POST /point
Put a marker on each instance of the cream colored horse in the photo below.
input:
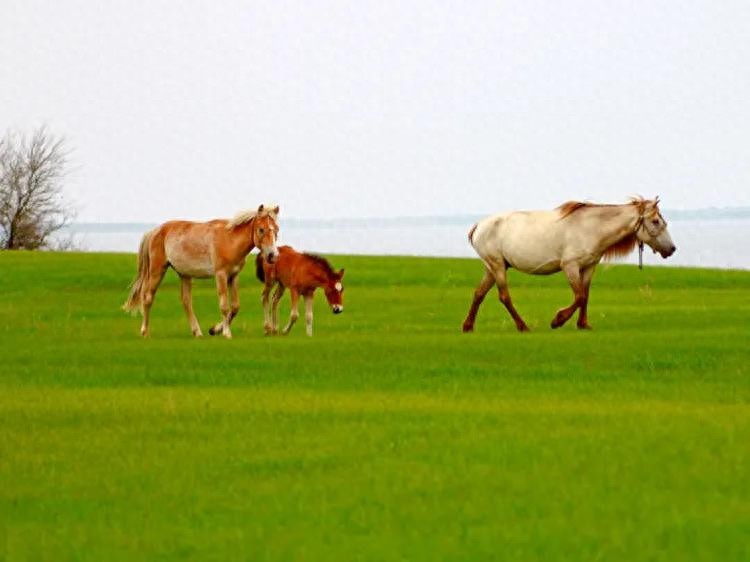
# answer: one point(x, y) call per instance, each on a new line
point(572, 238)
point(202, 249)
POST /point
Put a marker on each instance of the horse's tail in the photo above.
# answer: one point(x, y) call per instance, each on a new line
point(478, 249)
point(259, 272)
point(471, 233)
point(133, 304)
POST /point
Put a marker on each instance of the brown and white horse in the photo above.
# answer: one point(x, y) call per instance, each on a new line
point(202, 249)
point(572, 238)
point(301, 273)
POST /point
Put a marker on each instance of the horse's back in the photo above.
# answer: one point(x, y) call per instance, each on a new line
point(527, 240)
point(292, 269)
point(286, 259)
point(277, 271)
point(188, 245)
point(502, 228)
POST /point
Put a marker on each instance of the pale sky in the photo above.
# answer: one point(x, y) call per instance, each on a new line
point(381, 108)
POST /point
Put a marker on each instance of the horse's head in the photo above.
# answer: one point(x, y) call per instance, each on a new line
point(652, 229)
point(334, 291)
point(265, 230)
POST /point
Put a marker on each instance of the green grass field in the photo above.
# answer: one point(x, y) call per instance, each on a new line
point(389, 435)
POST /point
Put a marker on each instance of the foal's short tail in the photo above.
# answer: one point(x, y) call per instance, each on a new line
point(133, 304)
point(259, 272)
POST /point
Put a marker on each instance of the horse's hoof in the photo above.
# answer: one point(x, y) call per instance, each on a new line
point(467, 328)
point(584, 327)
point(213, 331)
point(523, 328)
point(557, 321)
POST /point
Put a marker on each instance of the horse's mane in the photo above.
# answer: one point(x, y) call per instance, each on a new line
point(322, 262)
point(241, 218)
point(244, 217)
point(570, 207)
point(622, 247)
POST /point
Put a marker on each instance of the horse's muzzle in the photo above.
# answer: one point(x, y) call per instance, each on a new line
point(337, 309)
point(665, 254)
point(271, 257)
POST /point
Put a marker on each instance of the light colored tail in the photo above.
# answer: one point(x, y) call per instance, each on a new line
point(480, 253)
point(471, 233)
point(133, 304)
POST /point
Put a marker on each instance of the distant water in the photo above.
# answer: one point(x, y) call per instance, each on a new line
point(721, 243)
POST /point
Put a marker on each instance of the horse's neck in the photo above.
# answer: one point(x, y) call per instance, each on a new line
point(617, 225)
point(317, 275)
point(243, 242)
point(314, 273)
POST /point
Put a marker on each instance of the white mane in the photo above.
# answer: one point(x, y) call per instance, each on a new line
point(246, 216)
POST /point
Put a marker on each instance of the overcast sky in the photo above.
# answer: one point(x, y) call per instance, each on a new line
point(383, 108)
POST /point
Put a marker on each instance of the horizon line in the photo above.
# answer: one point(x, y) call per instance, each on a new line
point(675, 214)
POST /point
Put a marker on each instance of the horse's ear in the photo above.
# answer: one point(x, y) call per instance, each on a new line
point(656, 200)
point(276, 210)
point(260, 210)
point(340, 274)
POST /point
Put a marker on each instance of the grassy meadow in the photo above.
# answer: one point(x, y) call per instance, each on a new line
point(388, 435)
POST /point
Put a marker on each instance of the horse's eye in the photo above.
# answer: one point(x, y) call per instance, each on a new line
point(656, 222)
point(260, 231)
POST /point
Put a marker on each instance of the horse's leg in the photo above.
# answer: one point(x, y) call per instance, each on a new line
point(502, 288)
point(309, 313)
point(294, 314)
point(221, 289)
point(586, 275)
point(186, 293)
point(234, 282)
point(267, 326)
point(157, 269)
point(573, 272)
point(484, 286)
point(277, 294)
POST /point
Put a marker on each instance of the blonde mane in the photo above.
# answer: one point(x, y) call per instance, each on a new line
point(244, 217)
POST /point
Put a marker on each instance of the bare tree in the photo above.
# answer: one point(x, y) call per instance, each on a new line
point(32, 203)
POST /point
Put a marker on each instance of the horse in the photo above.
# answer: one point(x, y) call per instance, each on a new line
point(301, 273)
point(572, 238)
point(202, 249)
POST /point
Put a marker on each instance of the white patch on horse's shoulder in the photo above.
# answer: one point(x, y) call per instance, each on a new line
point(338, 286)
